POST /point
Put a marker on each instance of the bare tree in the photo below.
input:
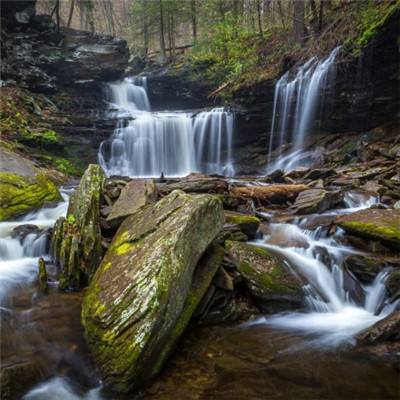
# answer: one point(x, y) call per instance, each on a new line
point(298, 21)
point(71, 12)
point(162, 38)
point(194, 19)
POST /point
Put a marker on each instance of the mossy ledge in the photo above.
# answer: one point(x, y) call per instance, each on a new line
point(19, 195)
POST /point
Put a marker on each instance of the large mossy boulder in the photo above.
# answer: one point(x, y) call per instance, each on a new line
point(266, 277)
point(374, 224)
point(19, 195)
point(141, 297)
point(76, 240)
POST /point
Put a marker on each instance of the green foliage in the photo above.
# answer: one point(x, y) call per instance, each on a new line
point(229, 51)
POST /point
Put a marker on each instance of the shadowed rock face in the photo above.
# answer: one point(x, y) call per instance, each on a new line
point(134, 310)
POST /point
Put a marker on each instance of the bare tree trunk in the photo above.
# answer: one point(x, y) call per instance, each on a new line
point(281, 14)
point(71, 12)
point(194, 20)
point(260, 29)
point(145, 29)
point(321, 15)
point(314, 17)
point(162, 38)
point(298, 21)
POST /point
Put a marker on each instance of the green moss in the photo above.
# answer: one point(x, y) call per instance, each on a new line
point(388, 233)
point(19, 195)
point(123, 248)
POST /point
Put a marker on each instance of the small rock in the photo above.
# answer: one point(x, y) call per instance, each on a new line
point(42, 276)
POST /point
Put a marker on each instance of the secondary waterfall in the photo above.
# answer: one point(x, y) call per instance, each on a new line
point(298, 101)
point(147, 143)
point(338, 305)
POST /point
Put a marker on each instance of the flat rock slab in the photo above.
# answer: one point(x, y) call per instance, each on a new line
point(316, 201)
point(374, 224)
point(136, 194)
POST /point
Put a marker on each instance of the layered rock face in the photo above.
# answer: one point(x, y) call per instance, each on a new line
point(133, 310)
point(76, 241)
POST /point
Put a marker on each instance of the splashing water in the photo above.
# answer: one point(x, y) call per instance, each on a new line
point(173, 143)
point(339, 306)
point(296, 104)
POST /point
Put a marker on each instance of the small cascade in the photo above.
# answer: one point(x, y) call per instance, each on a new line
point(19, 257)
point(147, 143)
point(298, 101)
point(338, 305)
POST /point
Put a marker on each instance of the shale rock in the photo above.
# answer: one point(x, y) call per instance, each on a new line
point(316, 201)
point(136, 194)
point(140, 298)
point(19, 195)
point(364, 267)
point(374, 224)
point(266, 277)
point(197, 184)
point(386, 329)
point(76, 240)
point(248, 224)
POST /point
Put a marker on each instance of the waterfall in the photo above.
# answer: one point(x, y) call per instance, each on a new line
point(297, 102)
point(146, 143)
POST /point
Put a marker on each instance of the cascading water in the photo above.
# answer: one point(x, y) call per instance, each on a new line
point(148, 143)
point(339, 306)
point(297, 101)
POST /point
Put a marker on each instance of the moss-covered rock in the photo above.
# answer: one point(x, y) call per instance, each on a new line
point(140, 298)
point(76, 240)
point(19, 195)
point(248, 224)
point(266, 277)
point(374, 224)
point(42, 275)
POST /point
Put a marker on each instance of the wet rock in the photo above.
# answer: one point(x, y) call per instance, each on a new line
point(231, 233)
point(248, 224)
point(42, 276)
point(364, 267)
point(379, 225)
point(196, 184)
point(386, 329)
point(136, 194)
point(22, 231)
point(316, 201)
point(393, 285)
point(276, 193)
point(135, 308)
point(19, 195)
point(319, 173)
point(76, 240)
point(267, 279)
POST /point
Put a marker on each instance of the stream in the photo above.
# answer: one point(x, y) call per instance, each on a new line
point(285, 356)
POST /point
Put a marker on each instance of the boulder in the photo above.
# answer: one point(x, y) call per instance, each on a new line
point(374, 224)
point(267, 279)
point(275, 193)
point(137, 303)
point(76, 240)
point(19, 195)
point(136, 194)
point(246, 223)
point(385, 329)
point(316, 201)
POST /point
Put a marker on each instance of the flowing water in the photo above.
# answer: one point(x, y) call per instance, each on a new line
point(298, 101)
point(147, 143)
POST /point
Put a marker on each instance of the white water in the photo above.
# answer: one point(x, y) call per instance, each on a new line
point(147, 143)
point(297, 101)
point(19, 258)
point(339, 307)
